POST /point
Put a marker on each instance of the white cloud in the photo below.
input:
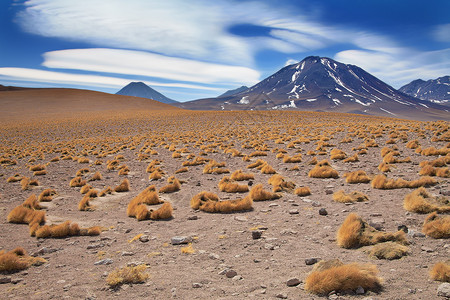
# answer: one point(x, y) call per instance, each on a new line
point(442, 33)
point(290, 62)
point(149, 65)
point(34, 75)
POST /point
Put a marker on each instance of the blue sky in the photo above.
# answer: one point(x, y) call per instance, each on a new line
point(201, 48)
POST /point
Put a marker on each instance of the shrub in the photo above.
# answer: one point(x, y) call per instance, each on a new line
point(26, 183)
point(385, 167)
point(323, 169)
point(343, 278)
point(123, 170)
point(388, 250)
point(156, 175)
point(77, 182)
point(162, 213)
point(280, 184)
point(83, 160)
point(238, 175)
point(124, 186)
point(97, 176)
point(32, 202)
point(132, 274)
point(420, 201)
point(440, 272)
point(24, 215)
point(82, 172)
point(173, 186)
point(18, 260)
point(182, 170)
point(209, 202)
point(37, 168)
point(230, 186)
point(214, 167)
point(257, 193)
point(337, 154)
point(14, 178)
point(258, 153)
point(353, 158)
point(359, 176)
point(257, 163)
point(292, 159)
point(267, 169)
point(302, 191)
point(85, 188)
point(380, 181)
point(342, 197)
point(436, 226)
point(84, 204)
point(107, 190)
point(412, 144)
point(47, 195)
point(355, 232)
point(202, 197)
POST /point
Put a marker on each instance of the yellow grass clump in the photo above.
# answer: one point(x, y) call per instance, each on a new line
point(202, 197)
point(238, 175)
point(107, 191)
point(292, 159)
point(32, 202)
point(355, 196)
point(214, 167)
point(27, 183)
point(437, 226)
point(124, 186)
point(97, 176)
point(323, 169)
point(85, 188)
point(353, 158)
point(280, 184)
point(47, 195)
point(413, 144)
point(388, 250)
point(209, 202)
point(182, 170)
point(380, 181)
point(132, 274)
point(355, 232)
point(258, 193)
point(173, 186)
point(337, 154)
point(257, 163)
point(228, 185)
point(385, 167)
point(359, 176)
point(82, 171)
point(422, 202)
point(341, 277)
point(440, 272)
point(432, 171)
point(15, 178)
point(302, 191)
point(18, 260)
point(162, 213)
point(156, 175)
point(37, 168)
point(23, 215)
point(77, 182)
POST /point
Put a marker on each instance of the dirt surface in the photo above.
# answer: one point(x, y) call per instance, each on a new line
point(292, 228)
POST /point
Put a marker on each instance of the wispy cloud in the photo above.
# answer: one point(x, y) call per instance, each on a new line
point(442, 33)
point(150, 65)
point(34, 75)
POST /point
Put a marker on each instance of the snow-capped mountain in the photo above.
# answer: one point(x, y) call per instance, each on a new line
point(323, 84)
point(434, 90)
point(140, 89)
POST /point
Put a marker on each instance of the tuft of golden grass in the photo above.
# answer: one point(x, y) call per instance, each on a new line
point(355, 196)
point(440, 272)
point(188, 249)
point(228, 185)
point(173, 186)
point(202, 197)
point(337, 154)
point(15, 178)
point(258, 193)
point(343, 277)
point(388, 250)
point(209, 202)
point(355, 232)
point(47, 195)
point(163, 213)
point(380, 181)
point(132, 274)
point(124, 186)
point(422, 202)
point(323, 169)
point(77, 182)
point(359, 176)
point(23, 215)
point(182, 170)
point(238, 175)
point(437, 226)
point(18, 260)
point(302, 191)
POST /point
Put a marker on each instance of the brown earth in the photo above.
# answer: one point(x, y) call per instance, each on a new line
point(292, 229)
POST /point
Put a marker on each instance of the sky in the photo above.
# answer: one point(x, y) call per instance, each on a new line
point(200, 48)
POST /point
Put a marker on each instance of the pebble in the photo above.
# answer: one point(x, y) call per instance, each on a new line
point(43, 251)
point(328, 192)
point(293, 212)
point(230, 273)
point(269, 246)
point(316, 204)
point(282, 295)
point(214, 256)
point(223, 272)
point(240, 219)
point(311, 261)
point(377, 223)
point(360, 290)
point(193, 218)
point(237, 278)
point(274, 204)
point(197, 285)
point(323, 212)
point(178, 240)
point(5, 279)
point(95, 246)
point(256, 234)
point(125, 253)
point(444, 290)
point(106, 261)
point(426, 249)
point(144, 238)
point(293, 282)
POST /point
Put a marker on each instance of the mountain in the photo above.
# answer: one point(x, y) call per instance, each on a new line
point(22, 103)
point(234, 92)
point(323, 84)
point(434, 90)
point(140, 89)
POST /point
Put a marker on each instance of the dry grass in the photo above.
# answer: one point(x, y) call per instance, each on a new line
point(124, 186)
point(24, 215)
point(228, 185)
point(380, 181)
point(440, 272)
point(388, 250)
point(385, 167)
point(437, 226)
point(342, 277)
point(351, 159)
point(302, 191)
point(47, 195)
point(209, 202)
point(15, 178)
point(257, 163)
point(133, 274)
point(182, 170)
point(422, 202)
point(82, 171)
point(355, 196)
point(18, 260)
point(323, 169)
point(107, 191)
point(355, 232)
point(337, 154)
point(162, 213)
point(238, 175)
point(258, 193)
point(77, 182)
point(173, 186)
point(32, 202)
point(213, 167)
point(280, 184)
point(202, 197)
point(359, 176)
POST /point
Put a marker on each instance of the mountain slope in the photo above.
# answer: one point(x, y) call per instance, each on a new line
point(434, 90)
point(234, 92)
point(322, 84)
point(140, 89)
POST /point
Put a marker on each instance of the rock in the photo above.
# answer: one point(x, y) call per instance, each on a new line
point(106, 261)
point(16, 280)
point(144, 238)
point(128, 230)
point(5, 279)
point(426, 249)
point(230, 273)
point(403, 227)
point(360, 290)
point(269, 246)
point(95, 246)
point(256, 234)
point(445, 193)
point(178, 240)
point(377, 223)
point(316, 204)
point(323, 212)
point(418, 235)
point(293, 282)
point(197, 285)
point(125, 253)
point(328, 192)
point(281, 295)
point(43, 251)
point(293, 212)
point(214, 256)
point(444, 290)
point(250, 183)
point(192, 218)
point(240, 219)
point(274, 204)
point(311, 261)
point(237, 278)
point(223, 272)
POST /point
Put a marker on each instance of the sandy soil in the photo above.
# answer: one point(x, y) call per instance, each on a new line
point(221, 241)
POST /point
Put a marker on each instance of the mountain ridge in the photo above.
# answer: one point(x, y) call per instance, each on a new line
point(433, 90)
point(140, 89)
